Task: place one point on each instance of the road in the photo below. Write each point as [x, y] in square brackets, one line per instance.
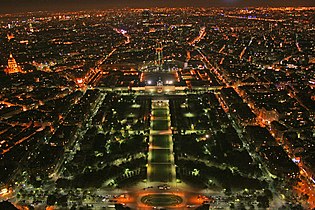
[78, 136]
[202, 34]
[94, 74]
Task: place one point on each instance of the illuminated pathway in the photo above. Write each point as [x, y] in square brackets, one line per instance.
[161, 166]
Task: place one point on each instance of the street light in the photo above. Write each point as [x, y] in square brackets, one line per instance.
[127, 171]
[195, 172]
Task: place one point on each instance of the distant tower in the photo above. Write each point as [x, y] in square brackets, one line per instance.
[13, 67]
[159, 55]
[31, 28]
[10, 36]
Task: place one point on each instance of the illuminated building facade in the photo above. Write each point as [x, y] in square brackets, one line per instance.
[13, 67]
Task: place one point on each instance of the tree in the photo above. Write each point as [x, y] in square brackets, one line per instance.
[7, 205]
[268, 193]
[241, 206]
[203, 207]
[51, 200]
[263, 201]
[63, 183]
[63, 200]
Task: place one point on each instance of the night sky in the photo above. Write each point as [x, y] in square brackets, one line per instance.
[9, 6]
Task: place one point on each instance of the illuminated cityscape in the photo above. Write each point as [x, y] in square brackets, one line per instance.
[160, 108]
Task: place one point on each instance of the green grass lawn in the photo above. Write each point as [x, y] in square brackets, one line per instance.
[161, 156]
[163, 141]
[159, 112]
[161, 173]
[160, 125]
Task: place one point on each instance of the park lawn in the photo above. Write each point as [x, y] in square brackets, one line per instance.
[159, 112]
[163, 141]
[161, 156]
[161, 173]
[160, 125]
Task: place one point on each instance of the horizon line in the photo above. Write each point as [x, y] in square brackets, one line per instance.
[144, 8]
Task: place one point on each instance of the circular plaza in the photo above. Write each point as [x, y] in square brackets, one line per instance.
[162, 200]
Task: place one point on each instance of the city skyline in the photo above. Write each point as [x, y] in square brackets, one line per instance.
[14, 6]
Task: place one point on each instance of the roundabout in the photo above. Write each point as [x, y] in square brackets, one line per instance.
[162, 200]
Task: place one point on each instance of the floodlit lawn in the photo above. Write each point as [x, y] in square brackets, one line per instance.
[160, 125]
[161, 141]
[159, 112]
[161, 173]
[161, 156]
